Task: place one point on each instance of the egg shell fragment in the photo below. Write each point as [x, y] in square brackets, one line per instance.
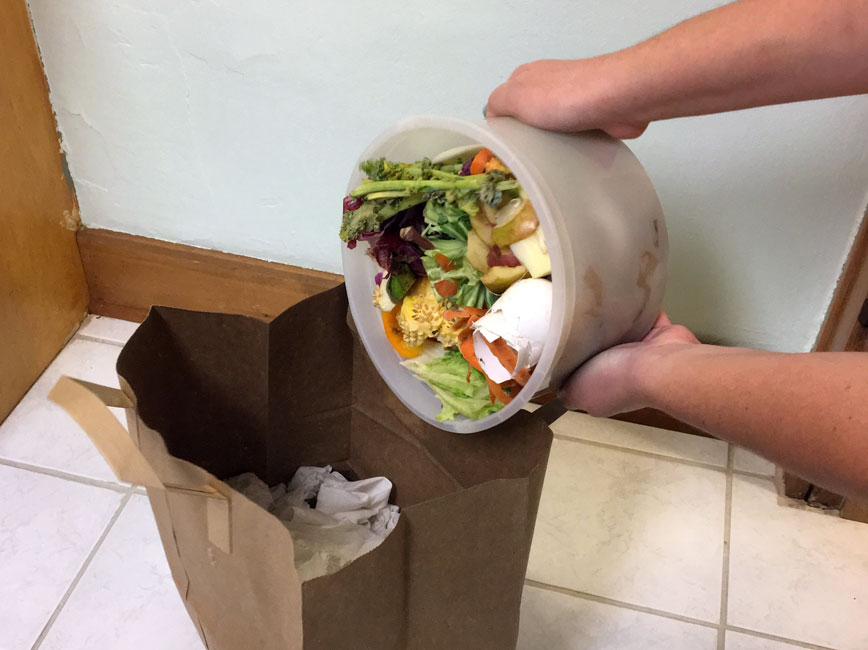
[521, 317]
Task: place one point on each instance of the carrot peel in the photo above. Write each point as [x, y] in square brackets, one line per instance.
[446, 288]
[496, 391]
[445, 263]
[479, 160]
[509, 360]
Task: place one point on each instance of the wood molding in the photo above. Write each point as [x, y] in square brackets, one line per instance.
[841, 331]
[43, 295]
[127, 274]
[855, 510]
[841, 325]
[792, 486]
[647, 417]
[660, 420]
[823, 498]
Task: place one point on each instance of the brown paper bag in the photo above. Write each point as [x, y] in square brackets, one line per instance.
[210, 396]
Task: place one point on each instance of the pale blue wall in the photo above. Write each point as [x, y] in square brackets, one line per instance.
[233, 125]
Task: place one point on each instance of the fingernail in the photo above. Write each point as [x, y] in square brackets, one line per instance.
[485, 111]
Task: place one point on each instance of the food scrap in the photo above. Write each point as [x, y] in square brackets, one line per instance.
[462, 278]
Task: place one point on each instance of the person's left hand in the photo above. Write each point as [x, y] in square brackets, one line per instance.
[612, 381]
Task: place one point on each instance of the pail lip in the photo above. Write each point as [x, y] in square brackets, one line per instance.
[543, 201]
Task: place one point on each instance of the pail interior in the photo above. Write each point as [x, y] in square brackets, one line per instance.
[411, 140]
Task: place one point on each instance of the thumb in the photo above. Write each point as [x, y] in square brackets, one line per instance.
[499, 102]
[625, 131]
[662, 320]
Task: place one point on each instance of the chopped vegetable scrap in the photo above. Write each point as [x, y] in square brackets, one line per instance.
[461, 261]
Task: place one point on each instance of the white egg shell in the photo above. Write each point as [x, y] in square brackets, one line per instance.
[521, 316]
[492, 368]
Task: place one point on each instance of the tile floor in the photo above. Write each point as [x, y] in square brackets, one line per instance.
[646, 539]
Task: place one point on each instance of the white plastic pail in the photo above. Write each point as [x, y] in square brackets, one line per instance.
[603, 226]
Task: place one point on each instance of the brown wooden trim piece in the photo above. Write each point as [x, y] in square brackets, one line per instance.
[841, 331]
[823, 498]
[855, 510]
[660, 420]
[850, 294]
[126, 274]
[858, 341]
[647, 417]
[43, 295]
[791, 485]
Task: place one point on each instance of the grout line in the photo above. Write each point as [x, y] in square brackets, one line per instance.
[744, 472]
[640, 452]
[96, 339]
[56, 473]
[781, 639]
[583, 595]
[81, 571]
[675, 459]
[727, 535]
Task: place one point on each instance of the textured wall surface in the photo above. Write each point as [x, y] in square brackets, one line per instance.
[234, 125]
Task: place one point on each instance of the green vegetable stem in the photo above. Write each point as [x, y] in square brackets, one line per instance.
[431, 185]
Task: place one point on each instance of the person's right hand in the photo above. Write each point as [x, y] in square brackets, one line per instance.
[562, 96]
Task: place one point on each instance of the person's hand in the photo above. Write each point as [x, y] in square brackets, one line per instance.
[611, 382]
[562, 96]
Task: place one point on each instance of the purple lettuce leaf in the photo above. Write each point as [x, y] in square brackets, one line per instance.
[390, 250]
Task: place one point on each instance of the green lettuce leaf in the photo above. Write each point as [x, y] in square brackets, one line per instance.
[442, 218]
[447, 376]
[471, 291]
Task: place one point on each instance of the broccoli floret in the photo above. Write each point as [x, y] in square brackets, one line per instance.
[393, 187]
[357, 222]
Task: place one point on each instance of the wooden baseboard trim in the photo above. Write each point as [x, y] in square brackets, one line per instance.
[842, 330]
[841, 325]
[126, 274]
[647, 417]
[855, 510]
[660, 420]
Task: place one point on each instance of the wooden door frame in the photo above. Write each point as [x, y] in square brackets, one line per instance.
[845, 328]
[841, 329]
[43, 294]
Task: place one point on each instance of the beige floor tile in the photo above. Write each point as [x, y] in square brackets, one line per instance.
[795, 572]
[126, 598]
[41, 433]
[739, 641]
[633, 528]
[109, 329]
[747, 461]
[554, 621]
[48, 526]
[641, 438]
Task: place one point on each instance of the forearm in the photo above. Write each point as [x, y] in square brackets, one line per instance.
[749, 53]
[807, 412]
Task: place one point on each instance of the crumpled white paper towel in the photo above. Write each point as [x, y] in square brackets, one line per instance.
[350, 519]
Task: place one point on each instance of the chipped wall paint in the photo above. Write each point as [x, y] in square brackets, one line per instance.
[233, 125]
[71, 219]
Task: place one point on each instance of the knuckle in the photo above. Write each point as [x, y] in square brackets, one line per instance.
[523, 70]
